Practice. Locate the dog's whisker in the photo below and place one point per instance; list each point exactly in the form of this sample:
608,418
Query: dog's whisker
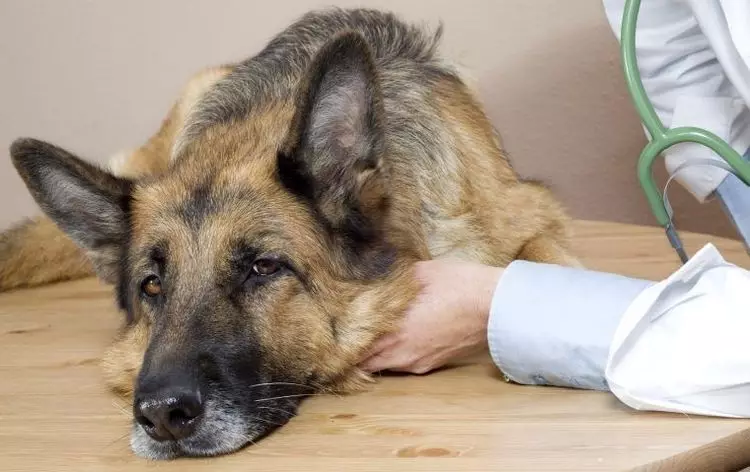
124,436
121,408
290,384
323,390
291,396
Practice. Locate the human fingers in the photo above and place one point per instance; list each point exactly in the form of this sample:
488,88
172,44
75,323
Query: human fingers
381,344
385,360
378,354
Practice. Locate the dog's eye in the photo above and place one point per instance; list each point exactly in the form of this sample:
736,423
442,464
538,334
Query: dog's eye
151,286
266,267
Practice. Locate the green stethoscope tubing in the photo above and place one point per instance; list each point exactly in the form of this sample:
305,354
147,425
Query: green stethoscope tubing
661,138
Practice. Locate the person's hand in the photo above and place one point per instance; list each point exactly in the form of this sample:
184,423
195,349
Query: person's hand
447,320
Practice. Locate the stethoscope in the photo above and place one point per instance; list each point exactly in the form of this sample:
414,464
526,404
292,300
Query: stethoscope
662,138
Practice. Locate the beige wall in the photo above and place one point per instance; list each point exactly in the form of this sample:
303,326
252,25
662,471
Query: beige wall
98,76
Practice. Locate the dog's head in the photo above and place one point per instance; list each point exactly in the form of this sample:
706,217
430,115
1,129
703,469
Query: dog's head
254,272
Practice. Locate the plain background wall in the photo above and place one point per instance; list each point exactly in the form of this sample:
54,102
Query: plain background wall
98,76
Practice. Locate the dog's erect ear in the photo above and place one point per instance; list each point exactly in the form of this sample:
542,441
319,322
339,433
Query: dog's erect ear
89,204
334,154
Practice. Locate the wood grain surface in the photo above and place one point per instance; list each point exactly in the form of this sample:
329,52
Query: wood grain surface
55,413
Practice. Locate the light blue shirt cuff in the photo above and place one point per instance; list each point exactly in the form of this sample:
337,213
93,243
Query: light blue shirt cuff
553,325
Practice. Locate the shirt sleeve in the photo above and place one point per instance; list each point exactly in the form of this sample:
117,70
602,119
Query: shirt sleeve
552,325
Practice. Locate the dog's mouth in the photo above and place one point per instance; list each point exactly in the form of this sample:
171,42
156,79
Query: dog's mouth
223,428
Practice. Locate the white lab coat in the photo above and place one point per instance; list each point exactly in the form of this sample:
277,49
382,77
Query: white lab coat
694,60
677,345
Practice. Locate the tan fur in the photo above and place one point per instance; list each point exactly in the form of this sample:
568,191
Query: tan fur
482,224
451,194
121,362
222,151
476,221
37,252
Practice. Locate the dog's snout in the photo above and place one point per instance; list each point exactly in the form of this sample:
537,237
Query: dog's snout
169,414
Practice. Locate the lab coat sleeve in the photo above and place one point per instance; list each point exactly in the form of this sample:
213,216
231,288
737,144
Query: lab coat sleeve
694,76
552,325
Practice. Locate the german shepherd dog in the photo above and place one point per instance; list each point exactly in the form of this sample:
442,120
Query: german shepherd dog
265,236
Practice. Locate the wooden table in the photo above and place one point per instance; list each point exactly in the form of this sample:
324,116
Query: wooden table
55,413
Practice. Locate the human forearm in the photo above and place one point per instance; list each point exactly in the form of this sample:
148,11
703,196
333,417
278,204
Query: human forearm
552,325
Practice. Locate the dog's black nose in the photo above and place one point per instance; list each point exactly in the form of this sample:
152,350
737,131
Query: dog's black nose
169,414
